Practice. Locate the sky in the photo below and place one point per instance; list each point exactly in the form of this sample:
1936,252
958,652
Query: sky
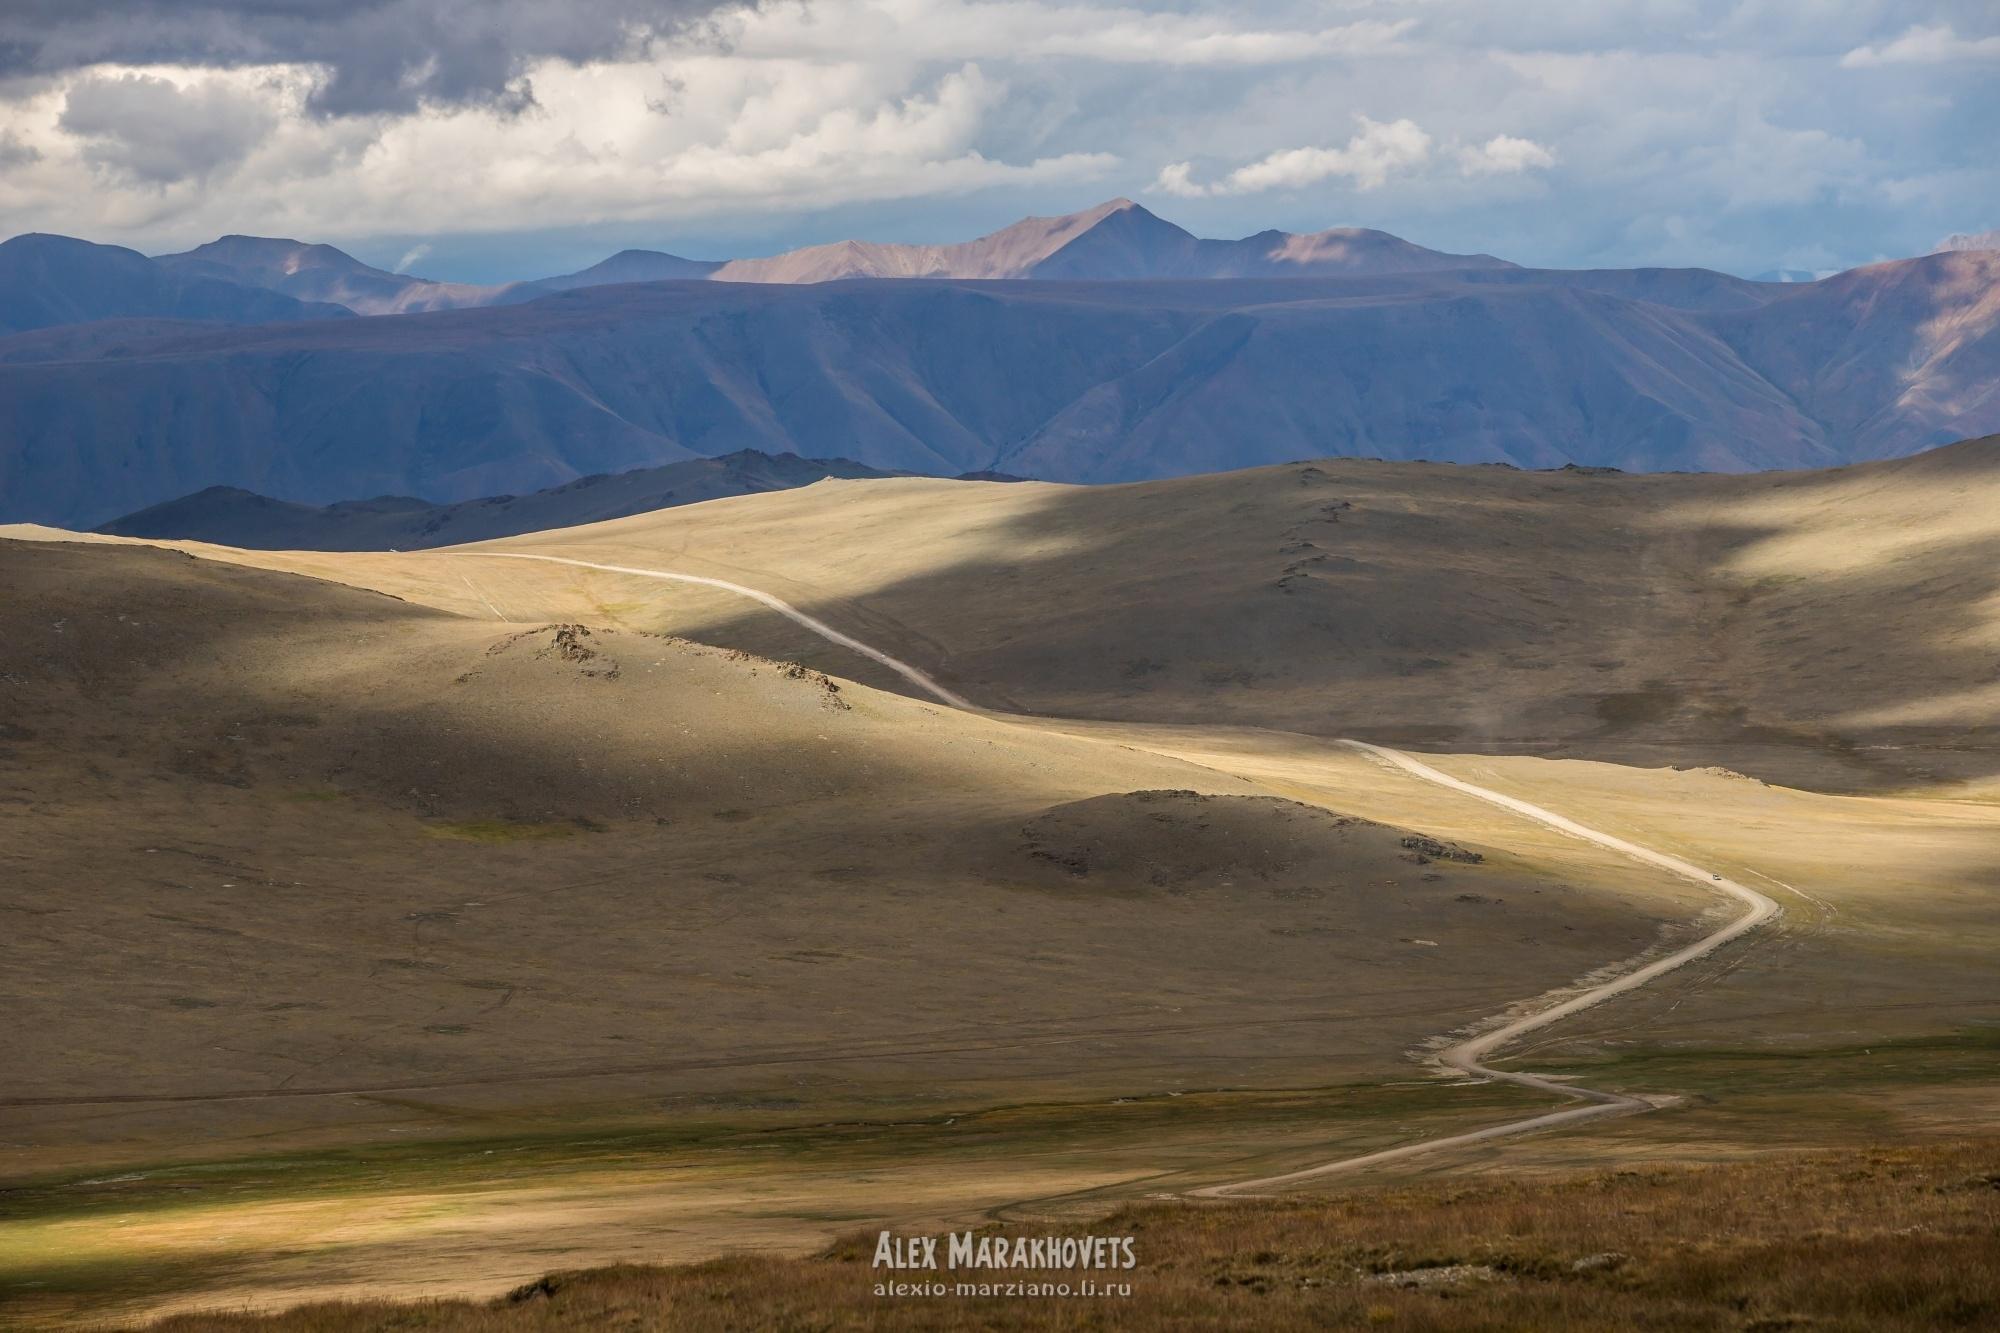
482,140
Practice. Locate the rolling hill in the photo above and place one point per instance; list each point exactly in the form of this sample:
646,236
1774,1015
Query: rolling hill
231,517
1769,623
581,871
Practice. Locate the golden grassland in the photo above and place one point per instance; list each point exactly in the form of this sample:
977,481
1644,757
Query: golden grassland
1870,1240
635,919
1831,630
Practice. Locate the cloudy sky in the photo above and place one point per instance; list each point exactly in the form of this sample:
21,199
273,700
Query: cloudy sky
481,139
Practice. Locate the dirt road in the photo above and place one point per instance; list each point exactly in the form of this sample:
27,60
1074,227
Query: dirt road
917,678
1468,1057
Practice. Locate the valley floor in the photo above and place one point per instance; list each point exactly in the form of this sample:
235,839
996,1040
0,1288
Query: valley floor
949,981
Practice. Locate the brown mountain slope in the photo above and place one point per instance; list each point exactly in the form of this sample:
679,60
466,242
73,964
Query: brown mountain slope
1894,357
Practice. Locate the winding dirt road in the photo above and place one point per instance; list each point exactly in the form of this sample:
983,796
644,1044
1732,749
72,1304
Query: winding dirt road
1468,1056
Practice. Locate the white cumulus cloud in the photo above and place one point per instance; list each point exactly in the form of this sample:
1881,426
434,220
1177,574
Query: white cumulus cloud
1504,155
1971,240
1379,150
1681,131
695,132
1177,179
1028,29
1922,45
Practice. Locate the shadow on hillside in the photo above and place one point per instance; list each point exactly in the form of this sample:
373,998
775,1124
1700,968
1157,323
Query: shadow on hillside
1461,609
128,667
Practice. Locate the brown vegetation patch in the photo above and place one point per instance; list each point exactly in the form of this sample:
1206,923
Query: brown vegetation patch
1882,1241
1183,840
1424,850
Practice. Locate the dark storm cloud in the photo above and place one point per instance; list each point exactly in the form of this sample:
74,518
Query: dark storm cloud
153,132
385,55
15,152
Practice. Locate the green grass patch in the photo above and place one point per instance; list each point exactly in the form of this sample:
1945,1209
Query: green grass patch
1965,1055
500,830
28,1279
477,1162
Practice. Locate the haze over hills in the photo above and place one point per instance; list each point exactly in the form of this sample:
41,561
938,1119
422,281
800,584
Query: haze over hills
1072,381
231,517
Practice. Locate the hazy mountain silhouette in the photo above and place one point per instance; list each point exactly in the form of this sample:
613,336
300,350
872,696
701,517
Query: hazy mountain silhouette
625,266
1116,240
233,517
322,273
46,281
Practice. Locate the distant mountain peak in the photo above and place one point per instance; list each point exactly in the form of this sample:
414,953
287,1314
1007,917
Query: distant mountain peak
1106,209
1116,240
50,281
313,271
280,253
625,266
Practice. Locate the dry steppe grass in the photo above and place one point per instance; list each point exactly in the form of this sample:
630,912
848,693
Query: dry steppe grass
1870,1241
581,851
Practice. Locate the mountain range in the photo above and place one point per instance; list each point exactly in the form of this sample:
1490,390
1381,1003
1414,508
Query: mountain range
1115,240
1074,349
